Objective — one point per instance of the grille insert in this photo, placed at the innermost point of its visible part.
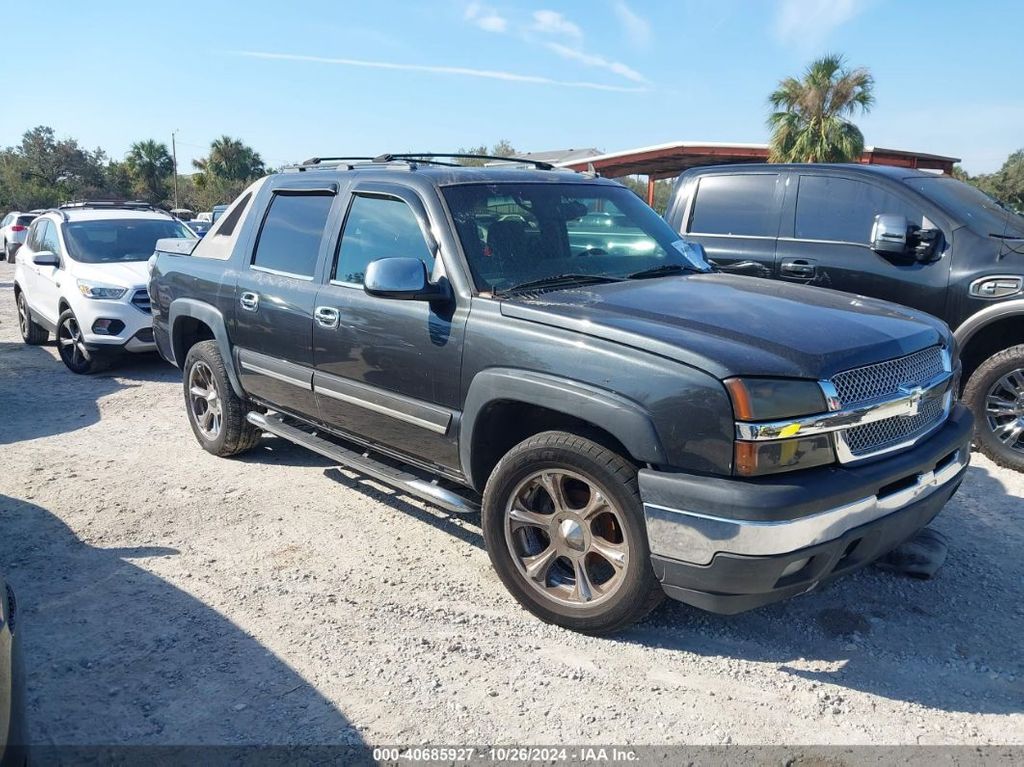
(140, 300)
(885, 381)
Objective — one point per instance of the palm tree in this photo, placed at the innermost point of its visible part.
(810, 118)
(229, 160)
(149, 164)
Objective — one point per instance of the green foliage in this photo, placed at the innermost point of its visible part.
(809, 120)
(662, 191)
(149, 166)
(503, 148)
(1007, 183)
(223, 174)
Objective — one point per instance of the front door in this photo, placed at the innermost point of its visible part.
(829, 244)
(387, 370)
(736, 218)
(47, 279)
(274, 298)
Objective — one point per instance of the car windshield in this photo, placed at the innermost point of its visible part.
(970, 204)
(514, 234)
(113, 240)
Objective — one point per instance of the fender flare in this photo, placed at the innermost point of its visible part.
(623, 418)
(212, 318)
(980, 320)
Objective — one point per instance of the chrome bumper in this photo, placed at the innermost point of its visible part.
(696, 538)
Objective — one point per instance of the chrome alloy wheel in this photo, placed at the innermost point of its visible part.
(71, 345)
(22, 315)
(1004, 410)
(204, 400)
(566, 537)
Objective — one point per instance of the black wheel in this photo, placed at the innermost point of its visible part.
(31, 333)
(995, 394)
(564, 528)
(72, 349)
(8, 255)
(215, 412)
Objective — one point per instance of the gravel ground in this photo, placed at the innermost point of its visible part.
(171, 597)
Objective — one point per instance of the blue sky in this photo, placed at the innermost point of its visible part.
(295, 79)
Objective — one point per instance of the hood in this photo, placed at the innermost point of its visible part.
(125, 274)
(732, 325)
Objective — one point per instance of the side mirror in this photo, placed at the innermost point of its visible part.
(46, 258)
(889, 234)
(402, 278)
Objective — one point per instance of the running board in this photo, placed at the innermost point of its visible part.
(362, 463)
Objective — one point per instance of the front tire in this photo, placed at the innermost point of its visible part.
(565, 532)
(31, 333)
(215, 413)
(995, 394)
(72, 349)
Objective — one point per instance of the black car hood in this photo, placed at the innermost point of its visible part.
(732, 325)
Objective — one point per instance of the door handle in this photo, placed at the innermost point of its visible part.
(249, 301)
(803, 268)
(326, 316)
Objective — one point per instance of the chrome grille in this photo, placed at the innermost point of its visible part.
(140, 300)
(885, 378)
(885, 381)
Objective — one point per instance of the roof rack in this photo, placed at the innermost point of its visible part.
(110, 204)
(58, 211)
(411, 158)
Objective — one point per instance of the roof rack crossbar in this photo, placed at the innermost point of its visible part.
(100, 204)
(539, 164)
(425, 158)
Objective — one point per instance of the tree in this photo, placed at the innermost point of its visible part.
(149, 164)
(662, 190)
(503, 148)
(229, 160)
(43, 171)
(810, 117)
(1007, 183)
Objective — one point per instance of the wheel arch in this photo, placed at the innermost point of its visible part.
(990, 331)
(505, 406)
(191, 321)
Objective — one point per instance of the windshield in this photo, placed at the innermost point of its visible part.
(112, 240)
(521, 233)
(969, 204)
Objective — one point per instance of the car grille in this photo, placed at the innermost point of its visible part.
(140, 300)
(885, 381)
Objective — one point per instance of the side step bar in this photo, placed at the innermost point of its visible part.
(404, 481)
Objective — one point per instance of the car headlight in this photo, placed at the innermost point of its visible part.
(99, 290)
(771, 399)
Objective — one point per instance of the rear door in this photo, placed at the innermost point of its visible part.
(274, 297)
(388, 371)
(826, 241)
(735, 216)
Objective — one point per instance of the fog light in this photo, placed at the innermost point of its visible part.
(104, 327)
(795, 566)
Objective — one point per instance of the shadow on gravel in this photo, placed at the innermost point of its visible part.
(950, 643)
(41, 397)
(117, 656)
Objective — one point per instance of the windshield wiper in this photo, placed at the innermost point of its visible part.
(559, 281)
(661, 271)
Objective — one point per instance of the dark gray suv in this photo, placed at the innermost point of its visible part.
(540, 346)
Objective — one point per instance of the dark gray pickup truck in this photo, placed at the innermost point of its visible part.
(540, 346)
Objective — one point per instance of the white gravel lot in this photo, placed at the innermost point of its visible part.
(171, 597)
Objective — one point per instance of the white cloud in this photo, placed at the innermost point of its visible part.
(593, 60)
(439, 70)
(809, 22)
(554, 23)
(638, 29)
(486, 18)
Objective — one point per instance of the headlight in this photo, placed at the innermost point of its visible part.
(99, 290)
(771, 399)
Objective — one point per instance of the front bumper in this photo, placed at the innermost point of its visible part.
(728, 545)
(135, 333)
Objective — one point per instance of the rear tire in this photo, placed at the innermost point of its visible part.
(31, 333)
(995, 394)
(565, 531)
(215, 413)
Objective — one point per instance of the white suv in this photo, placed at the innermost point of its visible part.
(82, 275)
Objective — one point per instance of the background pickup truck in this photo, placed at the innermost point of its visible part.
(539, 346)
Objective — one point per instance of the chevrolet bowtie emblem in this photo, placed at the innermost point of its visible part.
(915, 396)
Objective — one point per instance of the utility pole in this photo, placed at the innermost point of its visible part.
(174, 156)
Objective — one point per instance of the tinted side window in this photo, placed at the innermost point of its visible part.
(50, 241)
(832, 208)
(34, 234)
(378, 227)
(737, 205)
(290, 237)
